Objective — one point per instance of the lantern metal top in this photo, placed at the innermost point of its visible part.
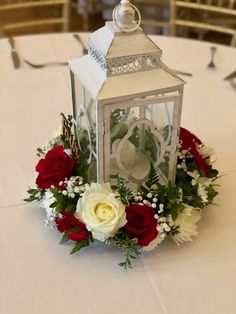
(120, 62)
(115, 88)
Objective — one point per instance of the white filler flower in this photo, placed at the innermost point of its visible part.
(45, 203)
(187, 222)
(207, 153)
(101, 210)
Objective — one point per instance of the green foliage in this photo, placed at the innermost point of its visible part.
(153, 177)
(73, 230)
(116, 116)
(174, 230)
(115, 119)
(175, 209)
(40, 152)
(134, 138)
(126, 194)
(190, 192)
(171, 196)
(213, 173)
(151, 144)
(211, 193)
(131, 249)
(34, 195)
(63, 202)
(64, 239)
(81, 163)
(79, 245)
(169, 193)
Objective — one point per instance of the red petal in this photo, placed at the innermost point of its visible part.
(149, 235)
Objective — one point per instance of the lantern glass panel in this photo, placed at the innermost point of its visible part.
(76, 94)
(140, 136)
(161, 114)
(85, 131)
(163, 168)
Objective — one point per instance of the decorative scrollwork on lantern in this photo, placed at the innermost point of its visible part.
(145, 124)
(115, 66)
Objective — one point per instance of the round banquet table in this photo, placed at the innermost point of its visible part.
(37, 274)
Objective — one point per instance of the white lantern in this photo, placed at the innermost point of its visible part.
(126, 103)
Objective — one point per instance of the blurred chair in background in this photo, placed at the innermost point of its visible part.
(108, 6)
(201, 19)
(33, 16)
(88, 9)
(155, 15)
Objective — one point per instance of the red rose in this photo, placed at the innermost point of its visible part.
(72, 227)
(54, 167)
(141, 223)
(188, 142)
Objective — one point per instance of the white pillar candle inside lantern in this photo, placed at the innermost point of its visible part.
(126, 102)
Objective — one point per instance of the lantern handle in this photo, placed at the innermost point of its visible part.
(123, 16)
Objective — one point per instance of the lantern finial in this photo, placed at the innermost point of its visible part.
(123, 16)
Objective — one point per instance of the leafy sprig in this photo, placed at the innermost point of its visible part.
(153, 177)
(126, 194)
(78, 244)
(34, 195)
(63, 202)
(40, 152)
(131, 249)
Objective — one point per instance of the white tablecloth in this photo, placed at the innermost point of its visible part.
(38, 275)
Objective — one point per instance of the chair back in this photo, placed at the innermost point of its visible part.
(155, 15)
(204, 16)
(29, 14)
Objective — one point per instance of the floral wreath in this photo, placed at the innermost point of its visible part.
(85, 211)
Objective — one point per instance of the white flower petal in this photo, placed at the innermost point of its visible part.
(187, 223)
(154, 243)
(45, 203)
(101, 210)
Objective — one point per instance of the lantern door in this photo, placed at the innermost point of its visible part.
(141, 132)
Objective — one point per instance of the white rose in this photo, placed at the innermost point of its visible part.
(187, 222)
(101, 210)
